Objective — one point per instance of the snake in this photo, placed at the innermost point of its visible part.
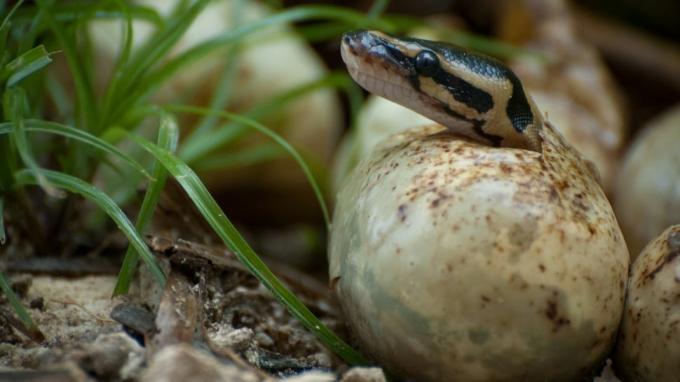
(470, 94)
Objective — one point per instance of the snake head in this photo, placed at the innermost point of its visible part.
(471, 94)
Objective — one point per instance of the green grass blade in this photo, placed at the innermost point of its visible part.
(377, 8)
(224, 87)
(295, 14)
(36, 125)
(248, 122)
(492, 47)
(86, 107)
(4, 34)
(123, 58)
(168, 135)
(245, 157)
(223, 91)
(3, 234)
(322, 31)
(214, 215)
(71, 11)
(301, 13)
(154, 50)
(26, 64)
(199, 145)
(103, 201)
(14, 103)
(19, 309)
(5, 21)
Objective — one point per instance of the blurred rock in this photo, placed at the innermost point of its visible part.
(180, 363)
(364, 374)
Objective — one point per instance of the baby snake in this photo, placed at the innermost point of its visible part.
(471, 94)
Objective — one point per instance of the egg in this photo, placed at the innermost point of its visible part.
(649, 341)
(454, 261)
(647, 196)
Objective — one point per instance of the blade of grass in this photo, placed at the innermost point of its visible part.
(224, 86)
(103, 201)
(86, 107)
(323, 31)
(3, 235)
(122, 62)
(377, 8)
(19, 309)
(223, 91)
(5, 20)
(154, 50)
(36, 125)
(168, 135)
(56, 92)
(66, 12)
(25, 65)
(4, 55)
(4, 32)
(214, 215)
(245, 157)
(14, 103)
(301, 13)
(490, 46)
(28, 36)
(199, 145)
(248, 122)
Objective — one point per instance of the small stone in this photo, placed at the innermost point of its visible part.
(264, 340)
(237, 339)
(111, 357)
(37, 303)
(364, 374)
(135, 318)
(311, 376)
(181, 362)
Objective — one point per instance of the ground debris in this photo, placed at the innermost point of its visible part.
(111, 357)
(136, 319)
(67, 372)
(240, 319)
(364, 374)
(178, 313)
(311, 376)
(212, 314)
(182, 362)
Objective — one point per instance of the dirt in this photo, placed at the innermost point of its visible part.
(212, 321)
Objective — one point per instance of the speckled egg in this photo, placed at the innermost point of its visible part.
(454, 261)
(649, 341)
(648, 188)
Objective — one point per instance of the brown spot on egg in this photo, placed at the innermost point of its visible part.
(401, 212)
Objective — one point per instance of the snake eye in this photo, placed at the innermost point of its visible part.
(427, 63)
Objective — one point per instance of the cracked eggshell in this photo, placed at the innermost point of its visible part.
(571, 85)
(649, 340)
(648, 191)
(456, 261)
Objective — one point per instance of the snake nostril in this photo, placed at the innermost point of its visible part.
(346, 39)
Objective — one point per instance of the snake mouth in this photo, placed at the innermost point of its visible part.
(367, 52)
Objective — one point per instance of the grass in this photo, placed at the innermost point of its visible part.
(65, 151)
